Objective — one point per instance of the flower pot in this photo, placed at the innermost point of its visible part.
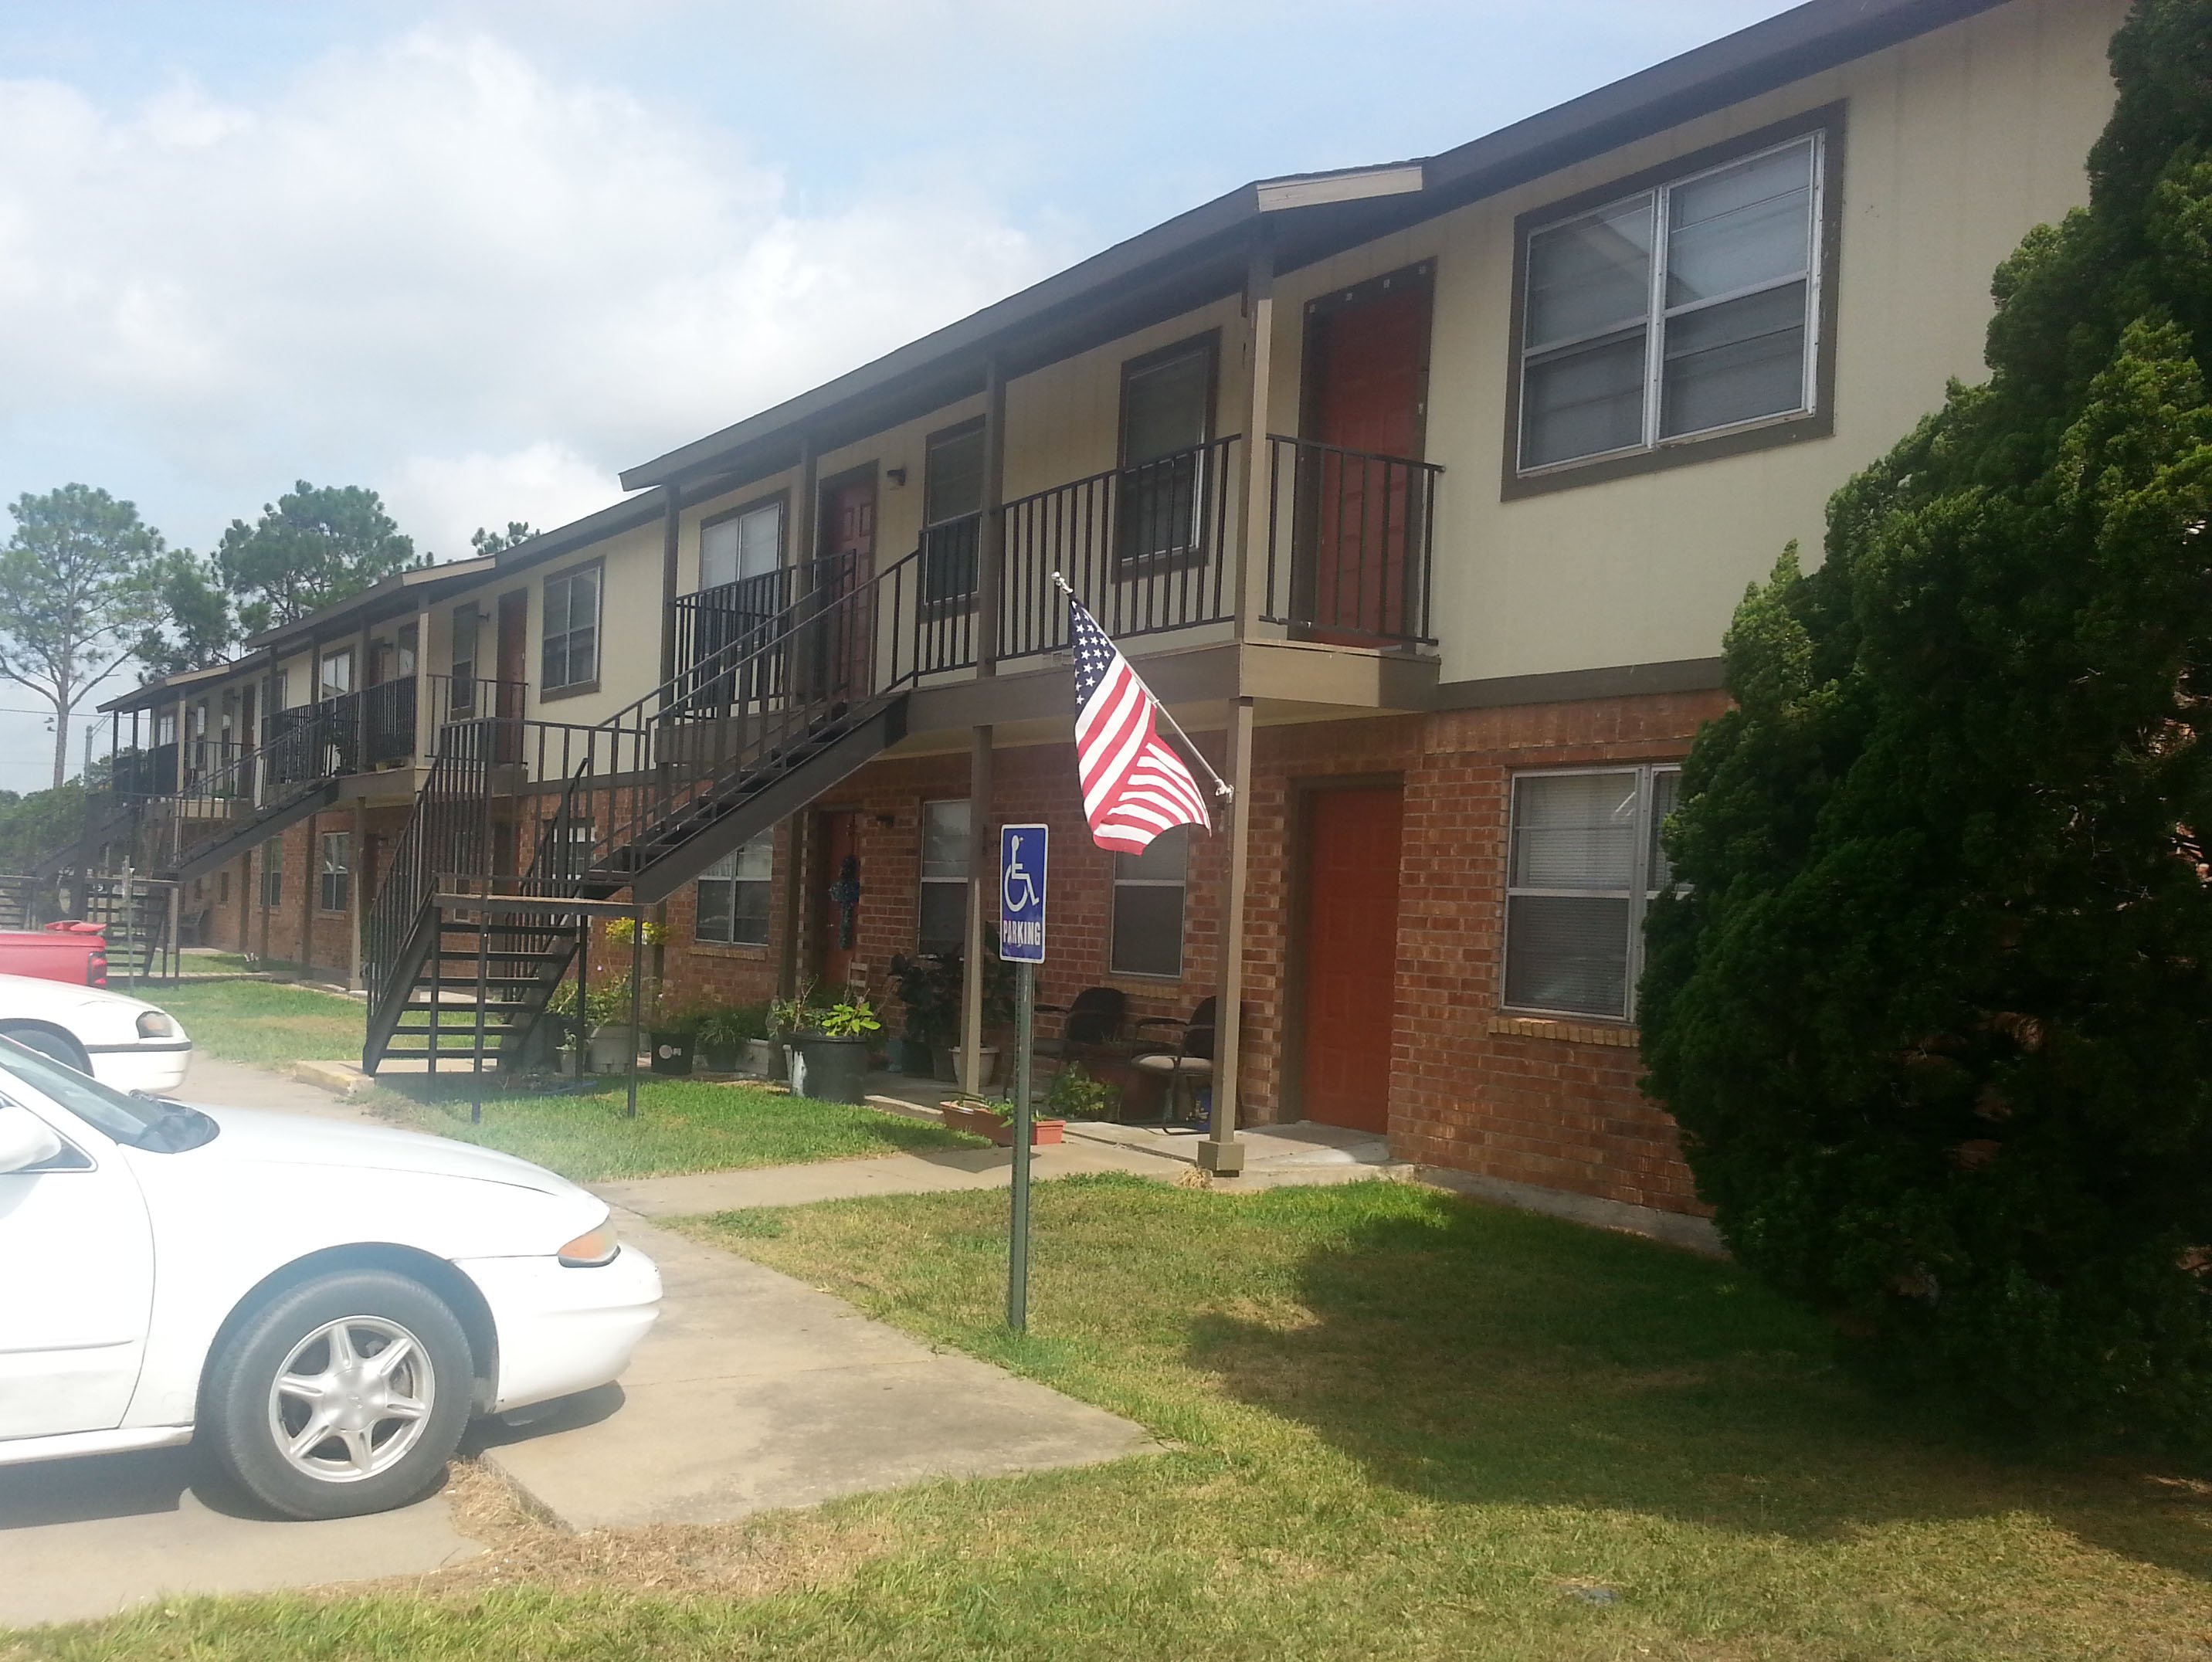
(672, 1052)
(832, 1070)
(912, 1057)
(766, 1058)
(719, 1058)
(967, 1117)
(613, 1047)
(564, 1060)
(1041, 1132)
(990, 1066)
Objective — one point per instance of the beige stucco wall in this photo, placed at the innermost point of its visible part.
(1957, 145)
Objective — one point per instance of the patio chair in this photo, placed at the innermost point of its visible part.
(1187, 1067)
(1087, 1025)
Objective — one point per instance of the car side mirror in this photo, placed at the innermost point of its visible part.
(25, 1140)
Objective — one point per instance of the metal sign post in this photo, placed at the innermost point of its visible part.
(1021, 850)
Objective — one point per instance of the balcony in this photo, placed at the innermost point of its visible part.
(1152, 550)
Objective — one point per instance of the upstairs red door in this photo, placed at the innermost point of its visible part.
(847, 561)
(1367, 366)
(1351, 952)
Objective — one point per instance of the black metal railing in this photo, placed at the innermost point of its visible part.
(465, 697)
(151, 772)
(718, 627)
(312, 741)
(1147, 548)
(387, 722)
(1349, 538)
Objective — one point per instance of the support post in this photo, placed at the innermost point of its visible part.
(982, 889)
(172, 950)
(991, 552)
(671, 520)
(637, 1000)
(356, 857)
(1018, 1256)
(1221, 1150)
(261, 900)
(1251, 568)
(790, 949)
(310, 871)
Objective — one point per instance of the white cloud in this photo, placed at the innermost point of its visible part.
(442, 500)
(435, 267)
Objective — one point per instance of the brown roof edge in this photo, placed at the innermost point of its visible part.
(162, 688)
(1786, 47)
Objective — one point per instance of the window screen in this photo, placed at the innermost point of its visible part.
(1679, 311)
(952, 505)
(335, 887)
(1582, 863)
(1166, 418)
(946, 842)
(572, 630)
(733, 894)
(1148, 906)
(748, 544)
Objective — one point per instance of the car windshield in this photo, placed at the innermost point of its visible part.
(140, 1122)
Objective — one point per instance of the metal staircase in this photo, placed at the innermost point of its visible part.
(227, 811)
(463, 963)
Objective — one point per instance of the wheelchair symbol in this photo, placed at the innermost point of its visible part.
(1021, 891)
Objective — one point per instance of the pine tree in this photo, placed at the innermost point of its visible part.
(1934, 1006)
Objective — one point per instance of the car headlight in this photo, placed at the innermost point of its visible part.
(587, 1252)
(155, 1024)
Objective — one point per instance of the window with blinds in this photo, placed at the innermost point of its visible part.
(1677, 312)
(1583, 862)
(733, 894)
(946, 833)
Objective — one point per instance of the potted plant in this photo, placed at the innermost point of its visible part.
(984, 1116)
(724, 1035)
(997, 1010)
(787, 1019)
(674, 1035)
(833, 1051)
(1074, 1094)
(609, 1040)
(931, 1001)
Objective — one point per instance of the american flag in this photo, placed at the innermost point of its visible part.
(1134, 786)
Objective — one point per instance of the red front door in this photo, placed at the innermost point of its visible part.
(1368, 370)
(847, 561)
(1351, 955)
(839, 879)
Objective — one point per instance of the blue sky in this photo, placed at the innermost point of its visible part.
(480, 256)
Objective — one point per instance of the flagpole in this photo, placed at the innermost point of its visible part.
(1220, 786)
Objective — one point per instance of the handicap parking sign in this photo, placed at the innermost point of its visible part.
(1021, 892)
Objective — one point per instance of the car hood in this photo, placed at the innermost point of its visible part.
(252, 1138)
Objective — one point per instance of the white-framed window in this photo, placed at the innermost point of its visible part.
(334, 677)
(748, 543)
(572, 630)
(951, 511)
(734, 895)
(461, 690)
(1675, 312)
(272, 882)
(1583, 864)
(947, 841)
(334, 889)
(1148, 896)
(1167, 417)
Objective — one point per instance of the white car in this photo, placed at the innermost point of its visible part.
(120, 1041)
(326, 1305)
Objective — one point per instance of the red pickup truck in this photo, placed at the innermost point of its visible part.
(72, 952)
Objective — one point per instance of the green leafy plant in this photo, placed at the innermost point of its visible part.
(733, 1026)
(851, 1018)
(620, 931)
(1930, 1003)
(607, 1002)
(1074, 1094)
(929, 985)
(787, 1017)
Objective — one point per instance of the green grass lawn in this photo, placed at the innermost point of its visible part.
(1401, 1425)
(264, 1024)
(682, 1125)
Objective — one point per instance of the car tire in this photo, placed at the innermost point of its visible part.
(318, 1357)
(48, 1042)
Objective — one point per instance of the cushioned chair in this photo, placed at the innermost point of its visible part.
(1188, 1066)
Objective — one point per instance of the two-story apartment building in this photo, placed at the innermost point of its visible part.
(1422, 494)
